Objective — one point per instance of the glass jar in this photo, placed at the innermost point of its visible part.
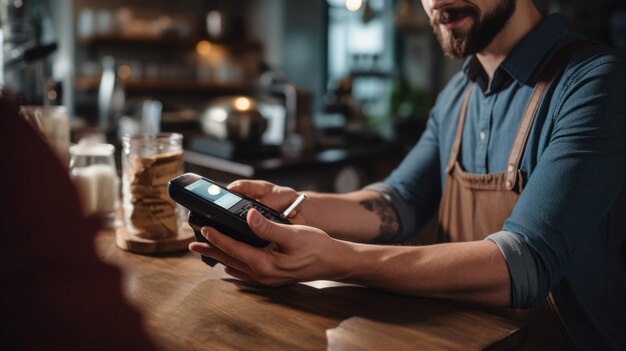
(54, 124)
(92, 167)
(149, 161)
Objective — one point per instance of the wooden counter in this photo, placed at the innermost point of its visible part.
(189, 306)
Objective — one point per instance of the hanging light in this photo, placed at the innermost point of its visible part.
(350, 5)
(354, 5)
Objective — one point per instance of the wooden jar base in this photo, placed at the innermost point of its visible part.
(133, 243)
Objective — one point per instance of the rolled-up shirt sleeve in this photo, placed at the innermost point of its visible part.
(522, 264)
(577, 179)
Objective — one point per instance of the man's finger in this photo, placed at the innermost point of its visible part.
(214, 253)
(251, 188)
(240, 275)
(243, 252)
(279, 234)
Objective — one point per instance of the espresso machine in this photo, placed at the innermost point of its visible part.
(27, 40)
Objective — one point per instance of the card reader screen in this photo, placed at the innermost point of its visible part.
(214, 193)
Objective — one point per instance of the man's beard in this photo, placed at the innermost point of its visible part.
(460, 43)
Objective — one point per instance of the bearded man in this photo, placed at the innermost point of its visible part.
(523, 158)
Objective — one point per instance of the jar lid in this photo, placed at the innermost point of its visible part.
(92, 149)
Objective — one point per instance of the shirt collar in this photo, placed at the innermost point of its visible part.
(527, 56)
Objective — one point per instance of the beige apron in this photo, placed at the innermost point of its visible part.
(476, 205)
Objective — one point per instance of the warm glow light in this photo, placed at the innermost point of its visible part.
(52, 95)
(124, 72)
(242, 104)
(203, 47)
(354, 5)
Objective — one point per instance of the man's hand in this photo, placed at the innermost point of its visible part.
(300, 253)
(271, 195)
(474, 272)
(359, 216)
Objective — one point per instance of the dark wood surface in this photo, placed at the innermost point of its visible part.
(189, 306)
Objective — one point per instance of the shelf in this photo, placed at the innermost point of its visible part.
(164, 40)
(171, 40)
(88, 83)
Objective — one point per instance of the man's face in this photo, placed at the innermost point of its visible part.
(465, 27)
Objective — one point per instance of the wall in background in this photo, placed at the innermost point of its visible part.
(267, 24)
(62, 67)
(294, 36)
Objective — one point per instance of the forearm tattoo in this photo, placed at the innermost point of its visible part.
(389, 222)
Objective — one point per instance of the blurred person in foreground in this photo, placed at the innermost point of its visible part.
(55, 293)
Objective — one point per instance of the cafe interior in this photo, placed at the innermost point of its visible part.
(316, 95)
(319, 95)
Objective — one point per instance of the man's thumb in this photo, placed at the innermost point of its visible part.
(266, 229)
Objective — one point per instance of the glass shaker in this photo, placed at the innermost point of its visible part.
(92, 167)
(149, 161)
(54, 124)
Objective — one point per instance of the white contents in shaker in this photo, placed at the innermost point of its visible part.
(93, 170)
(97, 186)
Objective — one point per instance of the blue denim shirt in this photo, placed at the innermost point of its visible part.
(567, 232)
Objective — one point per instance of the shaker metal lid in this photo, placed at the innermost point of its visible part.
(92, 149)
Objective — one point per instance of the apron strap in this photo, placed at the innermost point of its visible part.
(454, 153)
(548, 74)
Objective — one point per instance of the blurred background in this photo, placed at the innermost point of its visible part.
(323, 95)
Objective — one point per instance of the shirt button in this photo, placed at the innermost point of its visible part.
(482, 136)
